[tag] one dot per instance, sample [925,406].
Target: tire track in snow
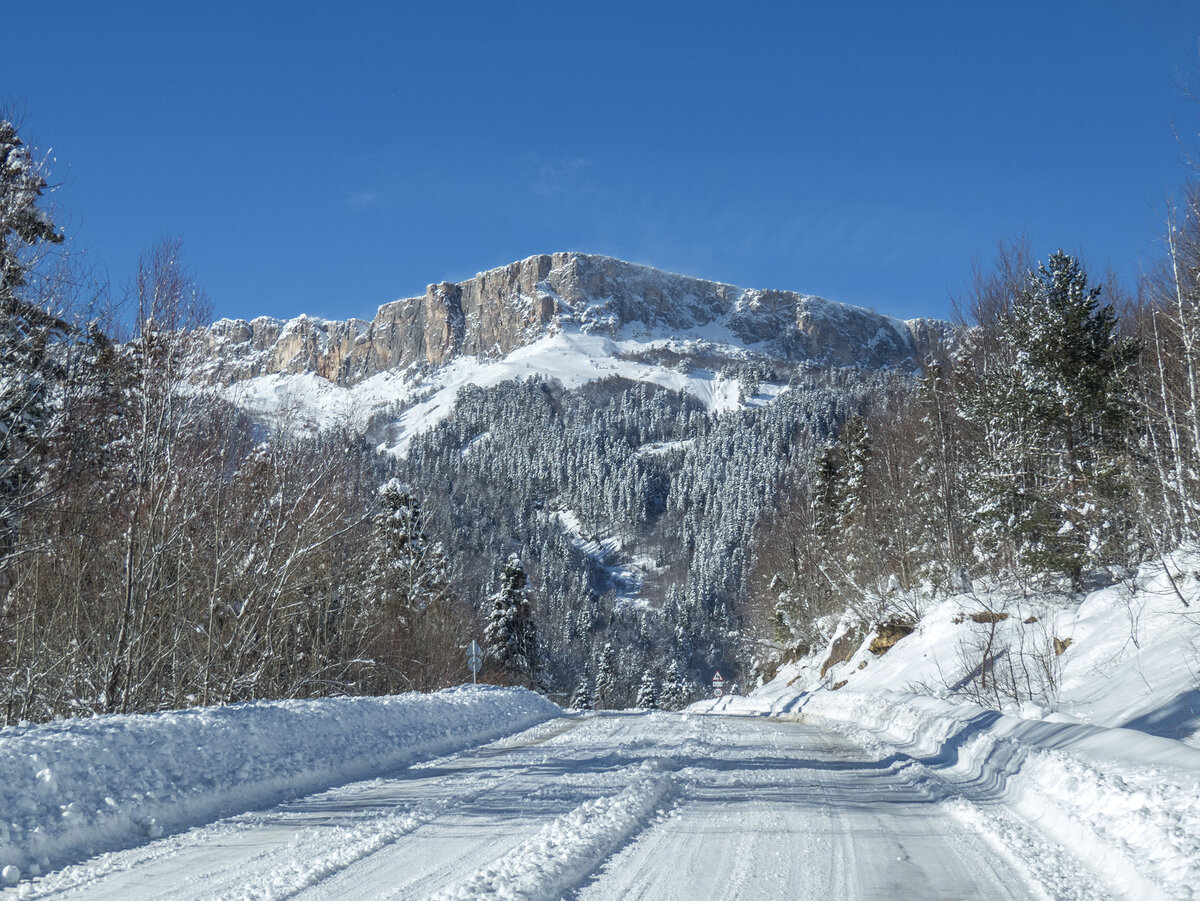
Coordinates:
[562,854]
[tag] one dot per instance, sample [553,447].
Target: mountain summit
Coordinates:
[508,308]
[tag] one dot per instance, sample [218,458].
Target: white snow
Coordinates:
[1088,790]
[550,862]
[1103,758]
[571,356]
[625,574]
[608,806]
[73,788]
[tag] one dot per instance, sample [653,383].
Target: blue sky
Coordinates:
[327,158]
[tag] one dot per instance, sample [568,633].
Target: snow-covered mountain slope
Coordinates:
[568,316]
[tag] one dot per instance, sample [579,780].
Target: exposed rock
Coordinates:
[836,685]
[1060,645]
[988,616]
[887,635]
[841,650]
[503,309]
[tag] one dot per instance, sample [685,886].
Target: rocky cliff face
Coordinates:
[502,309]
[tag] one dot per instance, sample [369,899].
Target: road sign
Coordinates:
[474,658]
[718,684]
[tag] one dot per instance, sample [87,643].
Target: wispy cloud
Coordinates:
[563,175]
[361,200]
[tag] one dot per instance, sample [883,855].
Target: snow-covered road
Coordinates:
[603,806]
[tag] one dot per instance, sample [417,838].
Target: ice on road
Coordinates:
[632,805]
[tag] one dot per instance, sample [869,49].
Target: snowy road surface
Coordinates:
[608,806]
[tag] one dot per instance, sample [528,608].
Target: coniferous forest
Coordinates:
[611,544]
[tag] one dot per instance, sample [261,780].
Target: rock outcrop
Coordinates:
[502,309]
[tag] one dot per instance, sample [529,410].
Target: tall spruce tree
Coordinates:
[408,590]
[581,699]
[510,638]
[1054,423]
[30,367]
[647,697]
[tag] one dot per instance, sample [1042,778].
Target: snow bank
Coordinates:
[72,789]
[1125,802]
[1127,654]
[1102,754]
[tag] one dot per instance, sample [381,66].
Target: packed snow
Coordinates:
[1100,750]
[870,780]
[73,788]
[596,806]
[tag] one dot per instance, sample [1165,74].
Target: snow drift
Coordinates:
[1103,755]
[72,789]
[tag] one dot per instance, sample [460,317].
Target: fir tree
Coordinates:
[674,695]
[510,638]
[582,697]
[606,679]
[647,697]
[408,571]
[409,593]
[30,369]
[1054,423]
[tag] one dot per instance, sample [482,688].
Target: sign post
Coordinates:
[718,684]
[474,659]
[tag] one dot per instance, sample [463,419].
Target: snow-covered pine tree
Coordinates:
[30,369]
[510,638]
[674,693]
[647,697]
[408,570]
[408,588]
[581,699]
[606,678]
[856,538]
[1054,423]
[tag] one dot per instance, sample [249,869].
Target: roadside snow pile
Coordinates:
[1124,802]
[1081,715]
[72,789]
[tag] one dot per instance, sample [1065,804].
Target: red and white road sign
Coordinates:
[718,684]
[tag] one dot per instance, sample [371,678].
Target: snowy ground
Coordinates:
[1094,735]
[609,806]
[70,789]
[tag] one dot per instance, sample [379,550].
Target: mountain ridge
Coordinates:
[506,308]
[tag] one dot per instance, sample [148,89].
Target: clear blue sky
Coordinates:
[326,158]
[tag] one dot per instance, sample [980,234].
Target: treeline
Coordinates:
[159,549]
[1055,438]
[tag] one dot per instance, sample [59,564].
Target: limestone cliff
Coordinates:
[502,309]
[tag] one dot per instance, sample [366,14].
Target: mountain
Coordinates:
[622,429]
[570,316]
[503,309]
